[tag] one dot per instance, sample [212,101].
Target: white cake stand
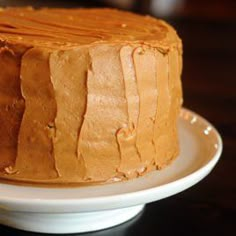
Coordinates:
[84,209]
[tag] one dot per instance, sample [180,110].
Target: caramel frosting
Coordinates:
[86,95]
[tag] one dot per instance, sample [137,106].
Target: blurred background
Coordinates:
[208,31]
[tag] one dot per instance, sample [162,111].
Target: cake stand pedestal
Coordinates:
[61,223]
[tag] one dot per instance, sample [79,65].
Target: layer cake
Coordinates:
[86,95]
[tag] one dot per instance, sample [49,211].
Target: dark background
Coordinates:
[208,31]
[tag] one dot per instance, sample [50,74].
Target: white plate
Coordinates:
[70,210]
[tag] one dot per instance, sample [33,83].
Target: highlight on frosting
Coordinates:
[86,98]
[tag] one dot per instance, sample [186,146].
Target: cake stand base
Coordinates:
[61,223]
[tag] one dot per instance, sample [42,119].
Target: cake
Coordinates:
[86,95]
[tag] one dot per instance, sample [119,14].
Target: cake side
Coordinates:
[99,112]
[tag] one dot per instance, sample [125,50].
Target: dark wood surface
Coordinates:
[209,84]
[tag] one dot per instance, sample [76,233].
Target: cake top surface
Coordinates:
[68,28]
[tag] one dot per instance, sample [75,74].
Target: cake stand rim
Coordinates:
[118,200]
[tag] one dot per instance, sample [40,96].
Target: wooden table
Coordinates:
[209,84]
